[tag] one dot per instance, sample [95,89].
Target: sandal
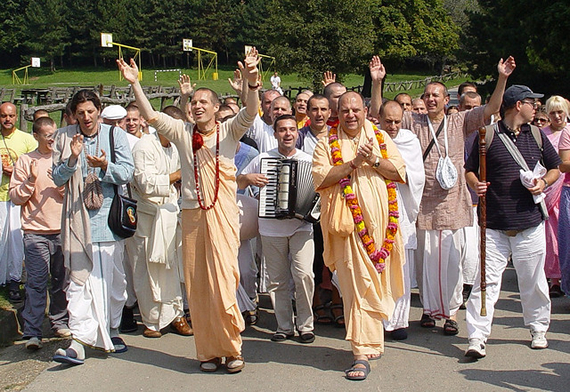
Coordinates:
[450,327]
[120,345]
[211,365]
[235,364]
[338,320]
[365,370]
[281,336]
[324,318]
[307,337]
[67,356]
[427,321]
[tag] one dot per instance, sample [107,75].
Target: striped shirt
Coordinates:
[510,206]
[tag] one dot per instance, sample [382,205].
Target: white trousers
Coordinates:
[286,258]
[470,252]
[528,251]
[438,268]
[247,268]
[401,314]
[96,307]
[11,243]
[128,266]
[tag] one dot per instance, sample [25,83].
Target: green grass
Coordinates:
[43,78]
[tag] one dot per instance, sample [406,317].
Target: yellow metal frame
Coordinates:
[16,79]
[265,73]
[201,70]
[137,56]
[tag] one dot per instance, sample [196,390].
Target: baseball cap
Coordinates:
[518,92]
[114,112]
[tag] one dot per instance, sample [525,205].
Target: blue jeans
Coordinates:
[43,255]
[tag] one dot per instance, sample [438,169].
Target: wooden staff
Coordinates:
[483,216]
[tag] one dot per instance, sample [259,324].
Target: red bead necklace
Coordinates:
[197,177]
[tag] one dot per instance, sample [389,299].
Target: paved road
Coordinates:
[426,361]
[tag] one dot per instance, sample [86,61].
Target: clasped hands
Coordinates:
[365,154]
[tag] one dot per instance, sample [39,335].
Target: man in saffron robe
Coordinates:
[368,295]
[210,213]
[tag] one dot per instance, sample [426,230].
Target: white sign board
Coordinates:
[106,40]
[187,45]
[36,62]
[248,49]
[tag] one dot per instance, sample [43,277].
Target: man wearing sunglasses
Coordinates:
[515,223]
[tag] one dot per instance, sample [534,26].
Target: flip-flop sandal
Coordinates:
[450,327]
[69,357]
[120,345]
[365,370]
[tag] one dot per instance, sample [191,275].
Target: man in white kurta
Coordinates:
[153,247]
[409,197]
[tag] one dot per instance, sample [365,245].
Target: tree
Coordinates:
[47,34]
[536,36]
[415,28]
[13,31]
[312,36]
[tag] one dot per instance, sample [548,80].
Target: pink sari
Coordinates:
[552,265]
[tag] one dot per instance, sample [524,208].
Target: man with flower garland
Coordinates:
[210,225]
[446,204]
[354,170]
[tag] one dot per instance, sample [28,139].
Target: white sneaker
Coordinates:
[476,349]
[538,339]
[34,344]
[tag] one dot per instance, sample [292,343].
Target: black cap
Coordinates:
[517,93]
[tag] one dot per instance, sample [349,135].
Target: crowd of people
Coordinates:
[398,184]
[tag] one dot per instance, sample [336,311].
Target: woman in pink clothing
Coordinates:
[557,111]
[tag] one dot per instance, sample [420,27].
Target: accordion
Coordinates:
[290,192]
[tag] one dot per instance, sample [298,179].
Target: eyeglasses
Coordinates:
[537,120]
[49,136]
[534,105]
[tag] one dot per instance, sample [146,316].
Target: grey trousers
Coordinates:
[43,256]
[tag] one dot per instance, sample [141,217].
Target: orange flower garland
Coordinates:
[378,257]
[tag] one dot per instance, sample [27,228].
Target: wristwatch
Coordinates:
[377,163]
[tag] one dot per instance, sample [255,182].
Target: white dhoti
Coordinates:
[439,271]
[155,265]
[470,252]
[96,306]
[400,317]
[11,243]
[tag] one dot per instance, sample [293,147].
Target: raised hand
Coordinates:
[129,72]
[34,170]
[328,78]
[76,145]
[249,67]
[186,87]
[236,82]
[507,67]
[377,70]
